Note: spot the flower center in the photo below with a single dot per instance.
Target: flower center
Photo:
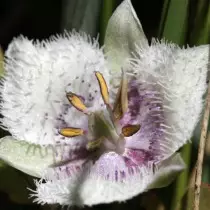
(104, 131)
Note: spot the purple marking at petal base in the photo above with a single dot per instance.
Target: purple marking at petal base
(138, 157)
(144, 108)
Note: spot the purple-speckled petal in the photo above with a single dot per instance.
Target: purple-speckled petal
(139, 157)
(141, 149)
(144, 108)
(115, 167)
(109, 165)
(71, 162)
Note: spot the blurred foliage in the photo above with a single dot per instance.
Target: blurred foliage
(106, 12)
(187, 199)
(1, 61)
(81, 15)
(200, 23)
(186, 22)
(14, 183)
(174, 21)
(183, 179)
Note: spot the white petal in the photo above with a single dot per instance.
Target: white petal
(180, 74)
(168, 170)
(90, 190)
(29, 158)
(38, 75)
(34, 159)
(123, 31)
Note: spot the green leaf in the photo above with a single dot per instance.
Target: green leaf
(174, 22)
(200, 31)
(29, 158)
(15, 184)
(168, 170)
(182, 179)
(123, 32)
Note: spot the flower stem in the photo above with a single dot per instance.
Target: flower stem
(201, 150)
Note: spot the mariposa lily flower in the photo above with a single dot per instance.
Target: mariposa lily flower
(100, 130)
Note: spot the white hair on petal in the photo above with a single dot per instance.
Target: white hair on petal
(88, 188)
(78, 190)
(180, 75)
(38, 75)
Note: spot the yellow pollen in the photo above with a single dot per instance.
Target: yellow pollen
(71, 132)
(103, 87)
(124, 93)
(121, 101)
(76, 102)
(129, 130)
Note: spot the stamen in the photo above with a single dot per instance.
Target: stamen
(124, 93)
(92, 145)
(103, 87)
(121, 101)
(130, 130)
(76, 102)
(71, 132)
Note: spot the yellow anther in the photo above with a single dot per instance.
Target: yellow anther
(117, 110)
(103, 87)
(124, 93)
(130, 130)
(121, 101)
(76, 102)
(71, 132)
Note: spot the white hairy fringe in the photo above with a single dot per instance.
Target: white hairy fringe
(37, 77)
(180, 75)
(88, 188)
(85, 187)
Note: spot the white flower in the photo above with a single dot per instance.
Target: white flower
(125, 127)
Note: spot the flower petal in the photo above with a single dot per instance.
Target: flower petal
(26, 157)
(87, 189)
(146, 108)
(33, 159)
(180, 75)
(123, 31)
(167, 171)
(38, 75)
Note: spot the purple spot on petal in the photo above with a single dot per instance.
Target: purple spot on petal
(144, 108)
